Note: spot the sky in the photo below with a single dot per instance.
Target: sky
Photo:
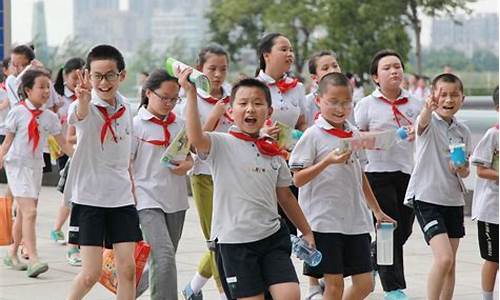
(58, 16)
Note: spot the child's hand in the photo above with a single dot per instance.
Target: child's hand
(184, 81)
(219, 108)
(36, 63)
(432, 102)
(271, 129)
(83, 87)
(309, 238)
(381, 217)
(181, 167)
(410, 130)
(338, 158)
(461, 171)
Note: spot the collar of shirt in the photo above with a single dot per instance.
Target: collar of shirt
(323, 124)
(99, 102)
(454, 122)
(67, 92)
(261, 133)
(31, 106)
(146, 115)
(404, 94)
(226, 92)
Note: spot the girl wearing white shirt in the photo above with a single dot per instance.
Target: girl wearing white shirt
(28, 126)
(161, 204)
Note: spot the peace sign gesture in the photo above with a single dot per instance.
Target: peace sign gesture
(432, 102)
(83, 87)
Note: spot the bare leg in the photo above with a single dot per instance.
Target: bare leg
(362, 286)
(90, 273)
(28, 207)
(125, 269)
(334, 287)
(443, 261)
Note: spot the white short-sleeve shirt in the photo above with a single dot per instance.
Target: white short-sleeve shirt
(21, 150)
(312, 108)
(373, 114)
(288, 107)
(485, 199)
(245, 205)
(155, 185)
(62, 111)
(204, 110)
(431, 180)
(3, 112)
(99, 174)
(333, 201)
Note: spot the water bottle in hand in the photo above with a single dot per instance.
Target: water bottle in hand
(457, 155)
(301, 249)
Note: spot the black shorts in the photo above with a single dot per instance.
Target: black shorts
(250, 268)
(435, 219)
(103, 226)
(2, 138)
(341, 254)
(61, 161)
(487, 234)
(47, 168)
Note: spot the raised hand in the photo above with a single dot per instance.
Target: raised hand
(432, 101)
(83, 87)
(184, 80)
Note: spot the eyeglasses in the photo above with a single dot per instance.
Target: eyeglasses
(166, 99)
(110, 76)
(347, 104)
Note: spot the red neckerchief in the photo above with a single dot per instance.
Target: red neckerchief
(2, 86)
(496, 126)
(33, 132)
(396, 112)
(340, 133)
(212, 100)
(265, 146)
(107, 122)
(73, 97)
(163, 123)
(285, 85)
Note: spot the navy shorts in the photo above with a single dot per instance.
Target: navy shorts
(436, 219)
(487, 234)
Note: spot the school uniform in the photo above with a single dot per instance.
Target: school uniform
(254, 245)
(288, 102)
(312, 108)
(388, 171)
(162, 198)
(98, 183)
(24, 160)
(485, 199)
(202, 182)
(434, 191)
(68, 98)
(333, 203)
(3, 113)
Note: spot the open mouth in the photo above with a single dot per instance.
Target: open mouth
(250, 120)
(104, 90)
(447, 108)
(339, 115)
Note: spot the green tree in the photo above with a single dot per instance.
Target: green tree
(412, 16)
(484, 60)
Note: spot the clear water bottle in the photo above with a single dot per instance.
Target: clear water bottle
(457, 155)
(301, 249)
(385, 248)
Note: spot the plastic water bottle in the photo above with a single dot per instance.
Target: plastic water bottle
(296, 135)
(457, 155)
(385, 249)
(402, 134)
(174, 67)
(301, 249)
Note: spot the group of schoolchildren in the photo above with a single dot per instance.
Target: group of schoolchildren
(244, 186)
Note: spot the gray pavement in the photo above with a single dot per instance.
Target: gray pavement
(55, 284)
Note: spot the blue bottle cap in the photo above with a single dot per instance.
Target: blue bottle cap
(402, 133)
(386, 225)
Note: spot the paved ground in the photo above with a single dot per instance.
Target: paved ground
(55, 283)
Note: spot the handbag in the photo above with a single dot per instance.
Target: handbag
(5, 221)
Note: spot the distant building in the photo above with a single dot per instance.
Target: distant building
(39, 32)
(474, 33)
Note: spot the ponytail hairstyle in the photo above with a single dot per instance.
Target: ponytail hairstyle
(75, 63)
(265, 46)
(153, 82)
(210, 49)
(28, 81)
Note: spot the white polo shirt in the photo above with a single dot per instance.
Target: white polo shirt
(62, 111)
(373, 114)
(204, 110)
(21, 150)
(333, 201)
(99, 175)
(431, 180)
(155, 185)
(288, 107)
(312, 108)
(485, 198)
(3, 112)
(245, 205)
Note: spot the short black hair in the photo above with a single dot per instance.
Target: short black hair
(28, 80)
(495, 96)
(213, 49)
(447, 77)
(153, 82)
(252, 82)
(313, 61)
(332, 79)
(25, 51)
(106, 52)
(381, 54)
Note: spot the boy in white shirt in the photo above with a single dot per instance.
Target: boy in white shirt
(250, 177)
(435, 189)
(99, 183)
(335, 194)
(485, 204)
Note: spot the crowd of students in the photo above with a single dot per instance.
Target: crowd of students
(245, 188)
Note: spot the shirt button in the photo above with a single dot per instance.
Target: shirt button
(253, 145)
(258, 154)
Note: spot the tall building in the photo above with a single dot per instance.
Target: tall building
(39, 32)
(473, 33)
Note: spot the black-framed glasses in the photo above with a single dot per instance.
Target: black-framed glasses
(167, 99)
(110, 76)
